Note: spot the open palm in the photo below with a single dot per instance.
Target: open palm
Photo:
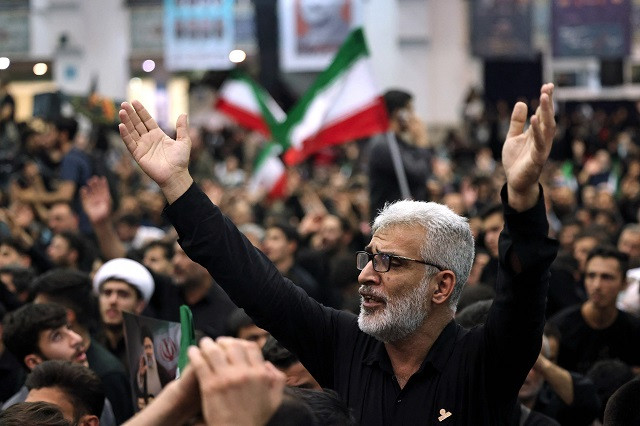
(159, 156)
(525, 152)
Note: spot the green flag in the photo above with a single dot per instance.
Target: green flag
(187, 337)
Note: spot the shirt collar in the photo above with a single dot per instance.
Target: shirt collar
(436, 358)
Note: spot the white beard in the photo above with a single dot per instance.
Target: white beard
(401, 316)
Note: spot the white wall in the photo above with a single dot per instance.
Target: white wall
(451, 68)
(97, 33)
(417, 45)
(422, 46)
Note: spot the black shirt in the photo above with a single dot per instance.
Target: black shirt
(582, 346)
(209, 314)
(468, 377)
(114, 379)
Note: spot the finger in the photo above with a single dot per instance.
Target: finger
(123, 114)
(546, 112)
(126, 138)
(248, 351)
(278, 378)
(235, 350)
(102, 184)
(84, 193)
(146, 119)
(136, 120)
(197, 361)
(92, 183)
(213, 354)
(538, 137)
(182, 128)
(518, 119)
(277, 382)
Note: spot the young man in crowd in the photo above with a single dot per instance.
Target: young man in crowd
(597, 329)
(74, 388)
(280, 244)
(122, 285)
(33, 413)
(72, 290)
(39, 332)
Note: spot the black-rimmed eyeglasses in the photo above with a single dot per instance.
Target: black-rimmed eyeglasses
(382, 261)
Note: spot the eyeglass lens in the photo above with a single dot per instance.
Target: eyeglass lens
(380, 261)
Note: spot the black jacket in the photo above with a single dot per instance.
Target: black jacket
(472, 375)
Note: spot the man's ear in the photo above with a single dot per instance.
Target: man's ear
(32, 360)
(71, 316)
(89, 420)
(74, 255)
(140, 306)
(445, 283)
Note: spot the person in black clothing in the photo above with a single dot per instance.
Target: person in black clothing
(597, 329)
(403, 360)
(280, 244)
(36, 333)
(492, 223)
(289, 364)
(76, 389)
(12, 374)
(622, 407)
(33, 413)
(122, 285)
(72, 290)
(411, 136)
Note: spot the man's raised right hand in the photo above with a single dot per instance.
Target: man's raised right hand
(163, 159)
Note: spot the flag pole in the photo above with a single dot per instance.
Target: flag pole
(397, 166)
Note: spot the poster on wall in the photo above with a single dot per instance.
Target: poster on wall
(198, 34)
(312, 31)
(502, 29)
(590, 28)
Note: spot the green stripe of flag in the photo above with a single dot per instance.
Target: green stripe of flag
(261, 97)
(354, 48)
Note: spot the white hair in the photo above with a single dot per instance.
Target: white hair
(448, 242)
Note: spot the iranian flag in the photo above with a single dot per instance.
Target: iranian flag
(269, 176)
(249, 105)
(343, 104)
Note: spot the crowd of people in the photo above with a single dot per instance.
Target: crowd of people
(513, 299)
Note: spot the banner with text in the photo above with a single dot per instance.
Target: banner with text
(501, 28)
(198, 34)
(591, 28)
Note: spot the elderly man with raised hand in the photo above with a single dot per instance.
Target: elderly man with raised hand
(403, 360)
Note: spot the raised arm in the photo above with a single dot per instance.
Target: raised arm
(97, 204)
(163, 159)
(525, 152)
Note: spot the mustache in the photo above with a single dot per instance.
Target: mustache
(368, 291)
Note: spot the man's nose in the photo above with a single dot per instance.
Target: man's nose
(368, 275)
(76, 339)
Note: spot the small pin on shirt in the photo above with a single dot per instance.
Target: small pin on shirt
(444, 414)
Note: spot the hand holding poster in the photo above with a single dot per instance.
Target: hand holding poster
(153, 348)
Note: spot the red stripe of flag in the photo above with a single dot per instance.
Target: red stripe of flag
(371, 120)
(244, 117)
